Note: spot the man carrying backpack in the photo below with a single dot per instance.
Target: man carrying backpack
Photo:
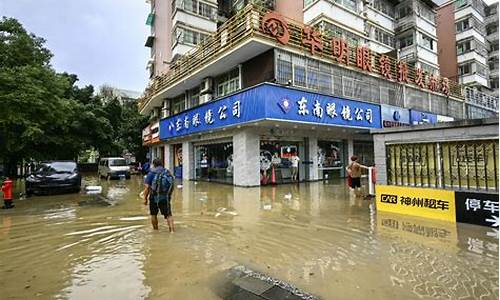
(158, 190)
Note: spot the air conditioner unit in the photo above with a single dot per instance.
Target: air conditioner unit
(206, 86)
(205, 98)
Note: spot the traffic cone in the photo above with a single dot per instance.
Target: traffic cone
(273, 176)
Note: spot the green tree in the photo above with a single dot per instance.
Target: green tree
(45, 115)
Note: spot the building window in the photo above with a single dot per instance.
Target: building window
(428, 69)
(384, 7)
(228, 83)
(196, 7)
(332, 30)
(465, 69)
(460, 3)
(463, 47)
(207, 11)
(494, 83)
(427, 42)
(462, 25)
(194, 97)
(405, 41)
(350, 4)
(491, 29)
(178, 104)
(188, 36)
(426, 13)
(238, 4)
(491, 10)
(404, 11)
(384, 37)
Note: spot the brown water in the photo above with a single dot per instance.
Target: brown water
(315, 236)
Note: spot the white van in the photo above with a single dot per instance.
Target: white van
(111, 167)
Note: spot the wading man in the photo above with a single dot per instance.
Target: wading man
(354, 169)
(158, 191)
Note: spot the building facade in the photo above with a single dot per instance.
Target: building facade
(268, 98)
(405, 29)
(468, 45)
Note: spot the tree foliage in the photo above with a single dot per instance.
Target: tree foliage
(45, 115)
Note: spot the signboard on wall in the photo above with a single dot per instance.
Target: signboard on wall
(419, 117)
(270, 102)
(477, 208)
(393, 116)
(441, 119)
(421, 202)
(146, 135)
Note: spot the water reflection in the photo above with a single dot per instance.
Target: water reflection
(315, 236)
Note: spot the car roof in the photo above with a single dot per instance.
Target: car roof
(57, 161)
(105, 158)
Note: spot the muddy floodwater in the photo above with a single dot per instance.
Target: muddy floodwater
(314, 236)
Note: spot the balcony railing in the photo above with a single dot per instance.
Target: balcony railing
(239, 28)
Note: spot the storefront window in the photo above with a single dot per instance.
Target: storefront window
(178, 160)
(279, 162)
(214, 162)
(331, 158)
(365, 152)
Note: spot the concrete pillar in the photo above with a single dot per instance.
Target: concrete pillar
(169, 157)
(350, 149)
(246, 149)
(313, 157)
(187, 161)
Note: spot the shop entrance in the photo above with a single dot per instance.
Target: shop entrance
(214, 162)
(280, 162)
(331, 158)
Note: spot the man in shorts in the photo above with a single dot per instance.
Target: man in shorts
(355, 169)
(159, 202)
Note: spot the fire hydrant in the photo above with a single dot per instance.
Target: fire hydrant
(7, 187)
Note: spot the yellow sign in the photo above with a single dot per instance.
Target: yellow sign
(420, 202)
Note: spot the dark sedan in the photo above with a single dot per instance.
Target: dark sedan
(54, 177)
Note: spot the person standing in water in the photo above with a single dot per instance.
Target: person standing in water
(295, 166)
(158, 191)
(355, 169)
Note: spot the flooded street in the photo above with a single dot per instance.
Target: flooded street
(314, 236)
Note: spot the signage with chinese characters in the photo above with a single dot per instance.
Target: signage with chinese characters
(146, 135)
(393, 116)
(270, 102)
(477, 208)
(276, 26)
(155, 132)
(420, 202)
(419, 117)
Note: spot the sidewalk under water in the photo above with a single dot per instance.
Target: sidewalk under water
(315, 236)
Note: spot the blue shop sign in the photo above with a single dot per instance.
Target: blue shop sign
(420, 117)
(393, 116)
(269, 102)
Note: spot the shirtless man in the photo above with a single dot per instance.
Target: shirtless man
(355, 169)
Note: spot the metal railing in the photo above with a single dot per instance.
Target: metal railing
(456, 165)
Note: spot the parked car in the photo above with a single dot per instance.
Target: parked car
(113, 167)
(54, 177)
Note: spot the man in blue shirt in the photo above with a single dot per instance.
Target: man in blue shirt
(156, 205)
